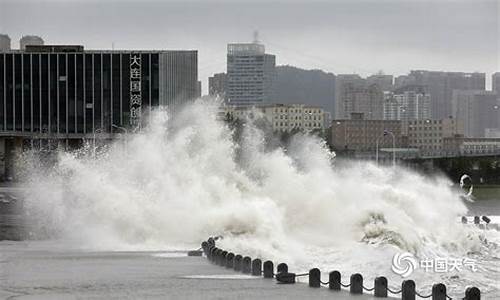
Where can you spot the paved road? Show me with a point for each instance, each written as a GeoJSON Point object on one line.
{"type": "Point", "coordinates": [40, 270]}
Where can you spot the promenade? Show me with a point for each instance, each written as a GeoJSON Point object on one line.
{"type": "Point", "coordinates": [45, 270]}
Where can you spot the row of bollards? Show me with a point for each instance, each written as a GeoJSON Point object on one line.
{"type": "Point", "coordinates": [380, 288]}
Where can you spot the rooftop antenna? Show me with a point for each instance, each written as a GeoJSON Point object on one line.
{"type": "Point", "coordinates": [112, 45]}
{"type": "Point", "coordinates": [256, 37]}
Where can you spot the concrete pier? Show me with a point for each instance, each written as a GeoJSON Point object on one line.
{"type": "Point", "coordinates": [42, 270]}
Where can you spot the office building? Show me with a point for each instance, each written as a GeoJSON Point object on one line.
{"type": "Point", "coordinates": [495, 83]}
{"type": "Point", "coordinates": [30, 40]}
{"type": "Point", "coordinates": [477, 109]}
{"type": "Point", "coordinates": [282, 117]}
{"type": "Point", "coordinates": [428, 135]}
{"type": "Point", "coordinates": [463, 146]}
{"type": "Point", "coordinates": [354, 95]}
{"type": "Point", "coordinates": [217, 85]}
{"type": "Point", "coordinates": [60, 95]}
{"type": "Point", "coordinates": [361, 135]}
{"type": "Point", "coordinates": [408, 105]}
{"type": "Point", "coordinates": [4, 42]}
{"type": "Point", "coordinates": [440, 86]}
{"type": "Point", "coordinates": [250, 74]}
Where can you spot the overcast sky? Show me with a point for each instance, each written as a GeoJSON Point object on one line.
{"type": "Point", "coordinates": [347, 36]}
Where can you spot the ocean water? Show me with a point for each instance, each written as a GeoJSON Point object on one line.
{"type": "Point", "coordinates": [182, 180]}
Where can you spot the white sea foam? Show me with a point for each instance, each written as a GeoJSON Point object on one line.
{"type": "Point", "coordinates": [182, 180]}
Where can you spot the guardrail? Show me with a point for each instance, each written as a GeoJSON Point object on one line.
{"type": "Point", "coordinates": [256, 267]}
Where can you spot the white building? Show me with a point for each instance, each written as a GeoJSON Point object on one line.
{"type": "Point", "coordinates": [250, 74]}
{"type": "Point", "coordinates": [282, 117]}
{"type": "Point", "coordinates": [30, 40]}
{"type": "Point", "coordinates": [408, 105]}
{"type": "Point", "coordinates": [4, 42]}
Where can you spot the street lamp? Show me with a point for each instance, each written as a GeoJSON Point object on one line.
{"type": "Point", "coordinates": [386, 132]}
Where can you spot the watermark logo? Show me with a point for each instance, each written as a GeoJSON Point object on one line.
{"type": "Point", "coordinates": [405, 263]}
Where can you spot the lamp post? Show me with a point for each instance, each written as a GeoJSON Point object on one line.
{"type": "Point", "coordinates": [386, 132]}
{"type": "Point", "coordinates": [346, 140]}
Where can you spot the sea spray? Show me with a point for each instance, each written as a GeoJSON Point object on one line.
{"type": "Point", "coordinates": [183, 179]}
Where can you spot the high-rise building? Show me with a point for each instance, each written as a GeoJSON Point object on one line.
{"type": "Point", "coordinates": [477, 109]}
{"type": "Point", "coordinates": [354, 95]}
{"type": "Point", "coordinates": [250, 74]}
{"type": "Point", "coordinates": [495, 83]}
{"type": "Point", "coordinates": [217, 85]}
{"type": "Point", "coordinates": [30, 40]}
{"type": "Point", "coordinates": [407, 105]}
{"type": "Point", "coordinates": [4, 42]}
{"type": "Point", "coordinates": [440, 86]}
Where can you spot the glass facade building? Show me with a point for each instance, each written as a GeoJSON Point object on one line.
{"type": "Point", "coordinates": [65, 92]}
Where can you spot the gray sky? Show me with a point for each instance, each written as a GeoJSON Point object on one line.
{"type": "Point", "coordinates": [345, 36]}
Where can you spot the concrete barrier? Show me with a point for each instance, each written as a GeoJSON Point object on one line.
{"type": "Point", "coordinates": [266, 269]}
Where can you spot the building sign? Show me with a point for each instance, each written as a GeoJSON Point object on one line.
{"type": "Point", "coordinates": [135, 89]}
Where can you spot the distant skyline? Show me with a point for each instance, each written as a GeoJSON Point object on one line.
{"type": "Point", "coordinates": [360, 37]}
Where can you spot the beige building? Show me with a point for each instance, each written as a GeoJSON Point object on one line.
{"type": "Point", "coordinates": [460, 145]}
{"type": "Point", "coordinates": [428, 135]}
{"type": "Point", "coordinates": [283, 117]}
{"type": "Point", "coordinates": [361, 135]}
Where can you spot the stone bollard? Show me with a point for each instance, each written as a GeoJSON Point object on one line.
{"type": "Point", "coordinates": [380, 287]}
{"type": "Point", "coordinates": [256, 267]}
{"type": "Point", "coordinates": [472, 293]}
{"type": "Point", "coordinates": [476, 220]}
{"type": "Point", "coordinates": [223, 258]}
{"type": "Point", "coordinates": [408, 290]}
{"type": "Point", "coordinates": [356, 284]}
{"type": "Point", "coordinates": [464, 220]}
{"type": "Point", "coordinates": [282, 268]}
{"type": "Point", "coordinates": [334, 280]}
{"type": "Point", "coordinates": [246, 265]}
{"type": "Point", "coordinates": [439, 291]}
{"type": "Point", "coordinates": [315, 278]}
{"type": "Point", "coordinates": [285, 277]}
{"type": "Point", "coordinates": [237, 262]}
{"type": "Point", "coordinates": [230, 260]}
{"type": "Point", "coordinates": [268, 269]}
{"type": "Point", "coordinates": [213, 252]}
{"type": "Point", "coordinates": [218, 259]}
